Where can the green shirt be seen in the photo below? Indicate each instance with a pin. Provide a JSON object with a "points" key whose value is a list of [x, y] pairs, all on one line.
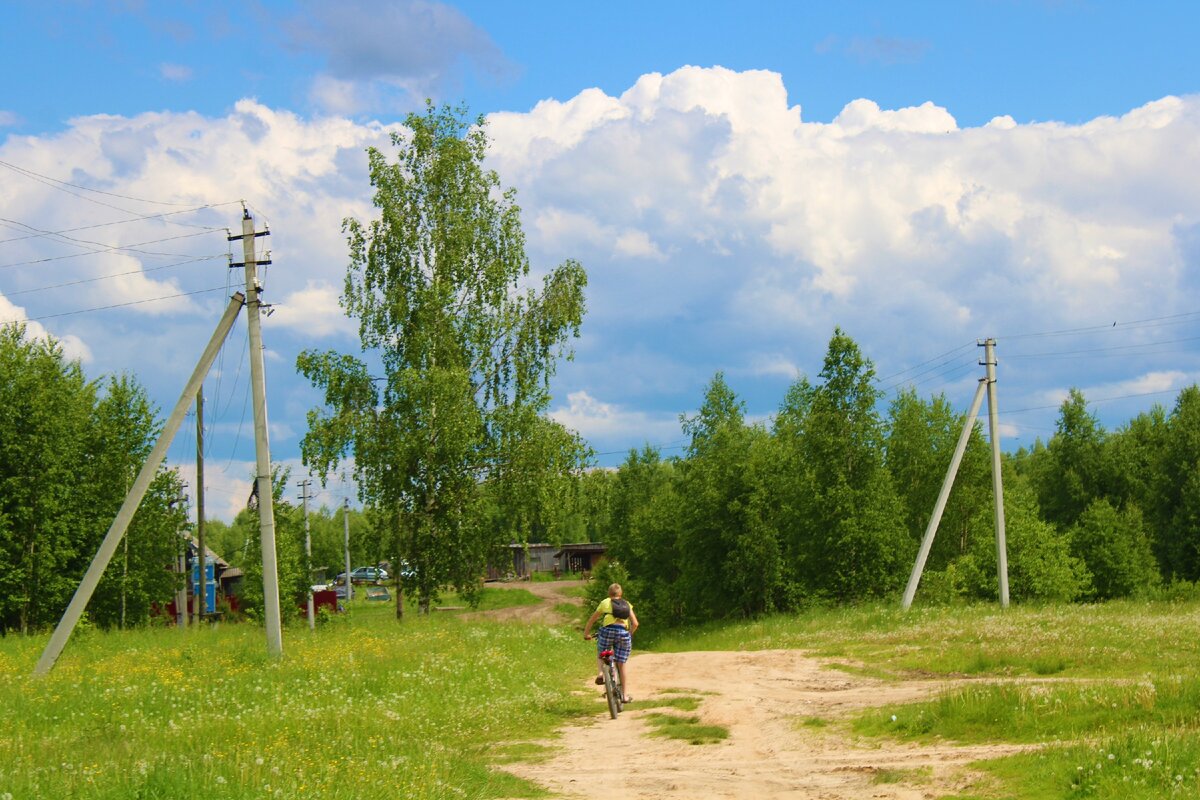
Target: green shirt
{"points": [[608, 619]]}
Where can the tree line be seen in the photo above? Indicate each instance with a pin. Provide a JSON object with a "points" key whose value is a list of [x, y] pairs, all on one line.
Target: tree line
{"points": [[829, 501], [70, 449]]}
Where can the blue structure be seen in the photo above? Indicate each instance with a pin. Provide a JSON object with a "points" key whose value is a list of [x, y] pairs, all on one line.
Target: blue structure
{"points": [[210, 584]]}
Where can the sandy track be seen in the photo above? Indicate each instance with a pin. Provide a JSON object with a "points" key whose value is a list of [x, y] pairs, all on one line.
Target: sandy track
{"points": [[762, 697]]}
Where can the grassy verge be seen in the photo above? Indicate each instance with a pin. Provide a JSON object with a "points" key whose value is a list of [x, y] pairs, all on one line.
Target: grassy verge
{"points": [[492, 599], [1119, 639], [362, 707], [1033, 712], [1136, 739]]}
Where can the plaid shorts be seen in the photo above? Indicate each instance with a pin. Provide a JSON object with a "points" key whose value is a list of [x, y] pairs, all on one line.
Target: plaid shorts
{"points": [[617, 639]]}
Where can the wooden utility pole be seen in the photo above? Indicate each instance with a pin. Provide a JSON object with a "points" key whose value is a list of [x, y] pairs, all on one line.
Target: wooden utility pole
{"points": [[312, 617], [202, 583], [108, 547], [262, 450]]}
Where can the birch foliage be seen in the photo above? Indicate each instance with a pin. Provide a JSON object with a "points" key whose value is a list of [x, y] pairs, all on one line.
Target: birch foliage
{"points": [[440, 286]]}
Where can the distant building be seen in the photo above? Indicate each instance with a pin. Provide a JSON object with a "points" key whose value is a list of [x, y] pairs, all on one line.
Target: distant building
{"points": [[581, 557], [526, 559]]}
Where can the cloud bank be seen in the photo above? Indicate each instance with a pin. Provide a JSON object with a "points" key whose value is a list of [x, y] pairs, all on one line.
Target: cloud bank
{"points": [[720, 231]]}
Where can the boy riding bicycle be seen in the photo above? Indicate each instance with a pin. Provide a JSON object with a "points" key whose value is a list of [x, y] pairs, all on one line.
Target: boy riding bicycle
{"points": [[616, 633]]}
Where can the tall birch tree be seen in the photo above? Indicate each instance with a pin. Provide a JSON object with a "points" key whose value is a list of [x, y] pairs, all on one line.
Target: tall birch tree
{"points": [[439, 287]]}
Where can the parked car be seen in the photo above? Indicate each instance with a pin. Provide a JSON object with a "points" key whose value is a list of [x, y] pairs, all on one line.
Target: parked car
{"points": [[364, 575]]}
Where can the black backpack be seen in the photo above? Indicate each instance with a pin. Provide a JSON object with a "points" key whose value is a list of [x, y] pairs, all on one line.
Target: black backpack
{"points": [[620, 608]]}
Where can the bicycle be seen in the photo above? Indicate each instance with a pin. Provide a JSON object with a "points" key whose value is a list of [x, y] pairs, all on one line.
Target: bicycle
{"points": [[613, 691]]}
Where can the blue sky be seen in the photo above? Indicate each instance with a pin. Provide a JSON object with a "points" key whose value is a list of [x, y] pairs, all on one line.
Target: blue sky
{"points": [[737, 179]]}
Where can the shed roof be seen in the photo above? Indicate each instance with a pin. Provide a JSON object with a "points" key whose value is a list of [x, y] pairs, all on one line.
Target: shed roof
{"points": [[583, 547]]}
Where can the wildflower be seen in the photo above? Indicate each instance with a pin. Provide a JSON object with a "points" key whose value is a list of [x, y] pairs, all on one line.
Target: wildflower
{"points": [[220, 779]]}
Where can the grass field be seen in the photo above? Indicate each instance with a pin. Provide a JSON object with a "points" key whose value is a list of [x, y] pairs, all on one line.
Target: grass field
{"points": [[361, 707], [365, 707]]}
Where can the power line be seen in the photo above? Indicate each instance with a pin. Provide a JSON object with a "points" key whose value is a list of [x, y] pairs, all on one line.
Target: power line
{"points": [[923, 363], [132, 248], [88, 243], [1100, 350], [114, 275], [1149, 322], [114, 305], [37, 175], [1093, 402], [137, 218]]}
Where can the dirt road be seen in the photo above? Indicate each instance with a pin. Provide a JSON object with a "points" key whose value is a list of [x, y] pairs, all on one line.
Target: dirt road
{"points": [[764, 699]]}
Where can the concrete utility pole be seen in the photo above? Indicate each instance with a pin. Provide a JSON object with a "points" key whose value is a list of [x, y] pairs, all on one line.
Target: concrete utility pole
{"points": [[989, 360], [202, 584], [940, 506], [266, 511], [312, 617], [346, 528], [108, 547]]}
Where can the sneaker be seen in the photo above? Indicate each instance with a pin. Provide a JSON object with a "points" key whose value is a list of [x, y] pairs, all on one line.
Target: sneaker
{"points": [[627, 700], [599, 680]]}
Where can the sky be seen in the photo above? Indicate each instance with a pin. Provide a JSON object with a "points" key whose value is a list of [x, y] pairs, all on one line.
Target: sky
{"points": [[738, 180]]}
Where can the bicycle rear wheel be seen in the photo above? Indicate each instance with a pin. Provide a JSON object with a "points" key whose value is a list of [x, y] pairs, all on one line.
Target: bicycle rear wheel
{"points": [[618, 689], [611, 690]]}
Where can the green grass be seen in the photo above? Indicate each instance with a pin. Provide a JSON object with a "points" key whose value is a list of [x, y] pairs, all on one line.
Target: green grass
{"points": [[687, 728], [1035, 712], [682, 702], [492, 599], [359, 708], [918, 775], [1149, 732], [1145, 763], [548, 577], [567, 610], [1118, 639]]}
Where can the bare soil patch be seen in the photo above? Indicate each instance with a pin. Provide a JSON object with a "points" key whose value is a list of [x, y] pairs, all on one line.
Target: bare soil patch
{"points": [[552, 593], [763, 698]]}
